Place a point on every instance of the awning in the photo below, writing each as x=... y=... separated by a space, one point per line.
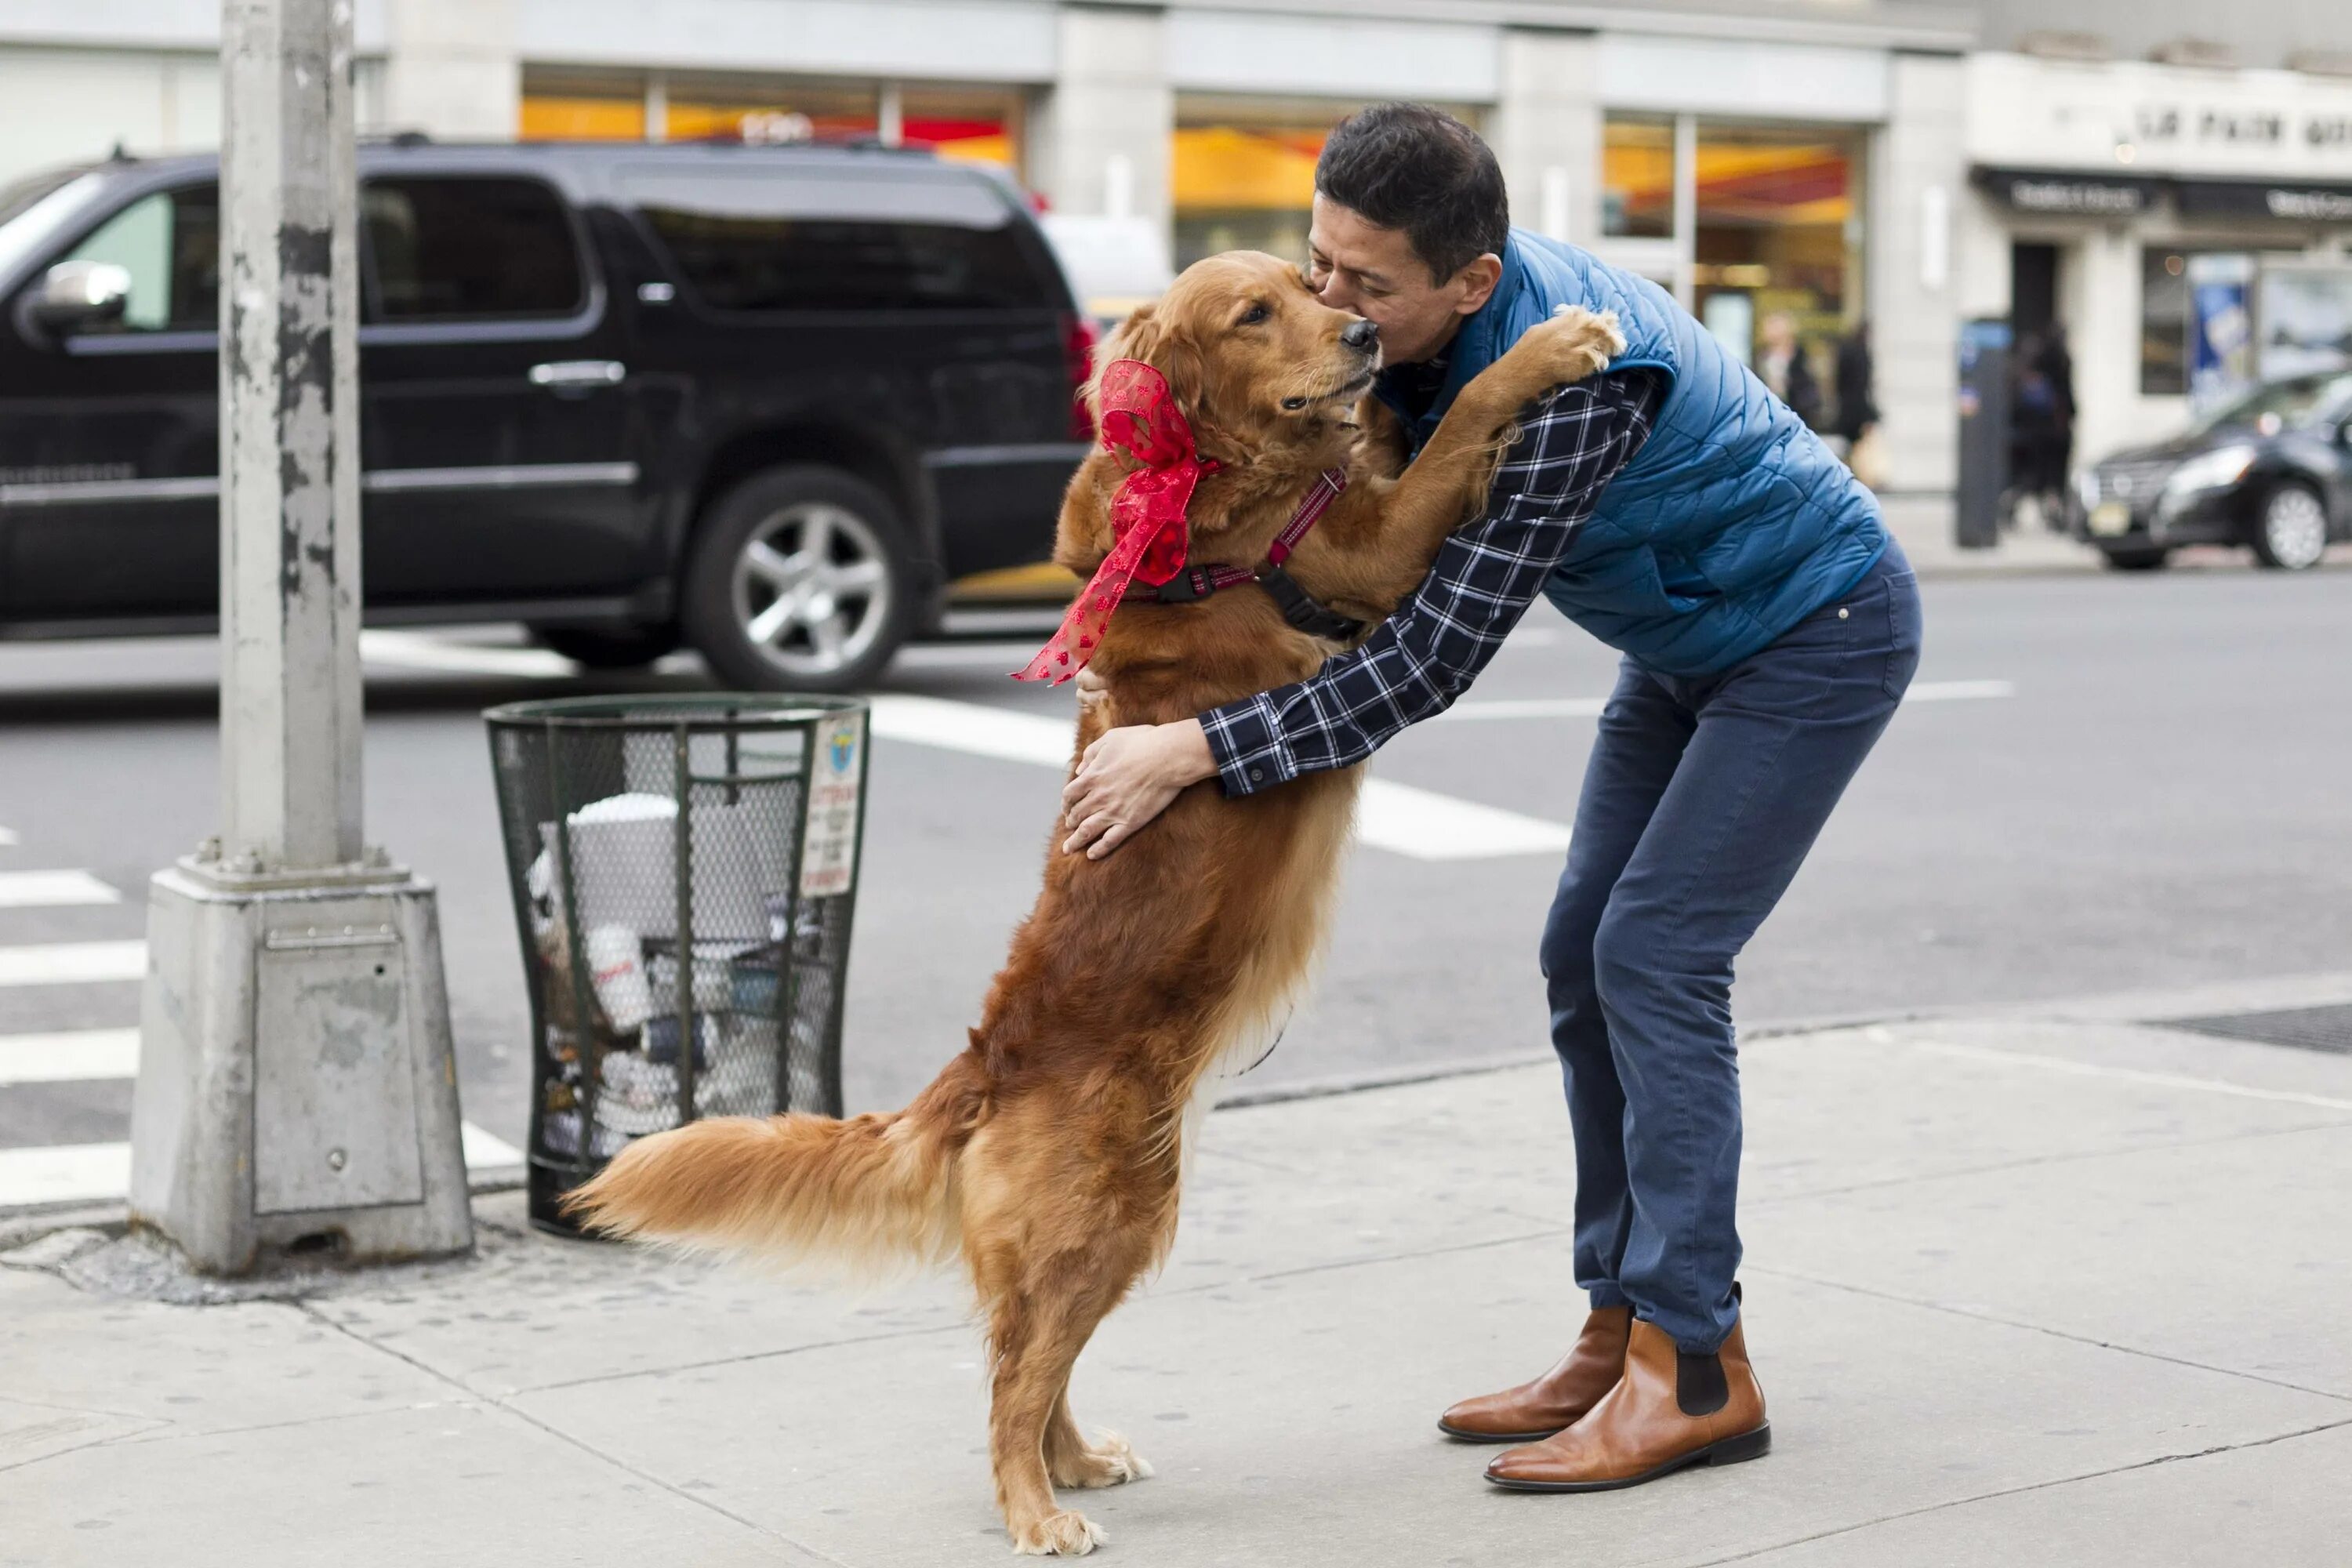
x=2066 y=193
x=2245 y=198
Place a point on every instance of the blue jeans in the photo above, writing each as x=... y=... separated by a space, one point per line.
x=1701 y=800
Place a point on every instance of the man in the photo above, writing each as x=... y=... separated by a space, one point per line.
x=1671 y=507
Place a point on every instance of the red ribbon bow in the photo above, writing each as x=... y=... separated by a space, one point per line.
x=1139 y=415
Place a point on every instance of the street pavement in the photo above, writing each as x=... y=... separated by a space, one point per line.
x=2104 y=784
x=2046 y=1288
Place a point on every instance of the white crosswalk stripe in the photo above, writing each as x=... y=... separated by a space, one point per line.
x=72 y=962
x=1473 y=709
x=1419 y=824
x=63 y=1058
x=413 y=651
x=100 y=1173
x=64 y=1173
x=48 y=889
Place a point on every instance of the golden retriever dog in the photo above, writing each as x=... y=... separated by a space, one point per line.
x=1048 y=1156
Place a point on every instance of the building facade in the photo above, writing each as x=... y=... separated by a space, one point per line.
x=2188 y=227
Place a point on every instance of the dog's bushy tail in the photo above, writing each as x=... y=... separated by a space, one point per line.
x=865 y=1197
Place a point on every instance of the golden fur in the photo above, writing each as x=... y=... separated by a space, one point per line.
x=1047 y=1155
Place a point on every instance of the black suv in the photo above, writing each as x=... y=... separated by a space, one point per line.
x=766 y=401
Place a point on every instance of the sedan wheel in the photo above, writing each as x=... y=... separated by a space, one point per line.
x=812 y=590
x=2293 y=533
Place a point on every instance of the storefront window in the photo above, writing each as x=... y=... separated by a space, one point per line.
x=733 y=111
x=976 y=126
x=971 y=126
x=586 y=111
x=1779 y=231
x=1637 y=177
x=1242 y=172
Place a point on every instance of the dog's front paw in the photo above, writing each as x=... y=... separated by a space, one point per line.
x=1064 y=1534
x=1575 y=342
x=1107 y=1461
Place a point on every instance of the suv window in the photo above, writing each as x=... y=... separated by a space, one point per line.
x=454 y=248
x=170 y=243
x=801 y=241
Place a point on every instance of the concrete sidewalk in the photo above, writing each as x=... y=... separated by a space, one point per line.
x=2020 y=1291
x=1924 y=525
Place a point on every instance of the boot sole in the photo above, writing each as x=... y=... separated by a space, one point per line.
x=1460 y=1436
x=1722 y=1451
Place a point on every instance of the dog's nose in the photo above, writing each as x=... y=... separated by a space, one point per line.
x=1362 y=336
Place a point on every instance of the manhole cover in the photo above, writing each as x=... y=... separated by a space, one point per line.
x=2305 y=1028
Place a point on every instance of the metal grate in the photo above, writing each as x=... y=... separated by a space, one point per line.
x=2305 y=1028
x=684 y=878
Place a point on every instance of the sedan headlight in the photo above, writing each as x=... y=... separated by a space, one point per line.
x=2212 y=471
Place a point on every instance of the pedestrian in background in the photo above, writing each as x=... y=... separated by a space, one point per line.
x=2042 y=424
x=1782 y=368
x=1857 y=410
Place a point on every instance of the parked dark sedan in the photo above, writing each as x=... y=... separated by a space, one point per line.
x=2272 y=471
x=766 y=401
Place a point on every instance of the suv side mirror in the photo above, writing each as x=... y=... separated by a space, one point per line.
x=75 y=295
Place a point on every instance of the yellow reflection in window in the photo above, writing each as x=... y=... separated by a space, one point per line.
x=555 y=119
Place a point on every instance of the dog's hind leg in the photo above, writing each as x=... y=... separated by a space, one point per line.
x=1071 y=1462
x=1037 y=1329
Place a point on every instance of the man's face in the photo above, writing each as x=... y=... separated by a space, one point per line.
x=1358 y=266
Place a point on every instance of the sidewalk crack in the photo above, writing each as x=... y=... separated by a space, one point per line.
x=2119 y=1348
x=2030 y=1487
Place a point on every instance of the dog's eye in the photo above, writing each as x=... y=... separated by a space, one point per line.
x=1294 y=403
x=1253 y=316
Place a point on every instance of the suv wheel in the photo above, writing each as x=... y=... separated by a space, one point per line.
x=798 y=581
x=2292 y=533
x=608 y=648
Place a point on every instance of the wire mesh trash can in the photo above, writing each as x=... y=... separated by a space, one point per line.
x=684 y=871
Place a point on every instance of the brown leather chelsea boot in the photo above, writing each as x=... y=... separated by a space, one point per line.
x=1536 y=1410
x=1668 y=1411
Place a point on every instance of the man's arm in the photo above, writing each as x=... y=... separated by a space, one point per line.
x=1418 y=660
x=1485 y=574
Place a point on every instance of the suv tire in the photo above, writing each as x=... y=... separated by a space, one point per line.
x=797 y=579
x=608 y=648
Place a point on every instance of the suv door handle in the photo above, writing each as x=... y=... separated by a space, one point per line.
x=578 y=373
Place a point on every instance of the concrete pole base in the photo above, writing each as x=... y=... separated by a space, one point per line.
x=298 y=1091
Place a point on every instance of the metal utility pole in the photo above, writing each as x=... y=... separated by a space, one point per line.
x=297 y=1090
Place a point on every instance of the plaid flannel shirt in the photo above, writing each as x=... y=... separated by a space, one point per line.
x=1486 y=574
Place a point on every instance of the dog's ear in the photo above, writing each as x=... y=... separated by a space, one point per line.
x=1148 y=335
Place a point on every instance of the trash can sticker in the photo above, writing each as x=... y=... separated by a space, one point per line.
x=829 y=851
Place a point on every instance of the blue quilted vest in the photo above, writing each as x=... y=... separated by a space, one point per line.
x=1730 y=525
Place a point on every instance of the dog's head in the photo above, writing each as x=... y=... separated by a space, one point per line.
x=1261 y=368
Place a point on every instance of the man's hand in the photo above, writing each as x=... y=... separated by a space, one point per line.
x=1127 y=778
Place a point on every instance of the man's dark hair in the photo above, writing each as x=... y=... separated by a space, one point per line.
x=1409 y=166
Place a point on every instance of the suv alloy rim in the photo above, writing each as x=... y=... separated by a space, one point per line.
x=2295 y=527
x=812 y=589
